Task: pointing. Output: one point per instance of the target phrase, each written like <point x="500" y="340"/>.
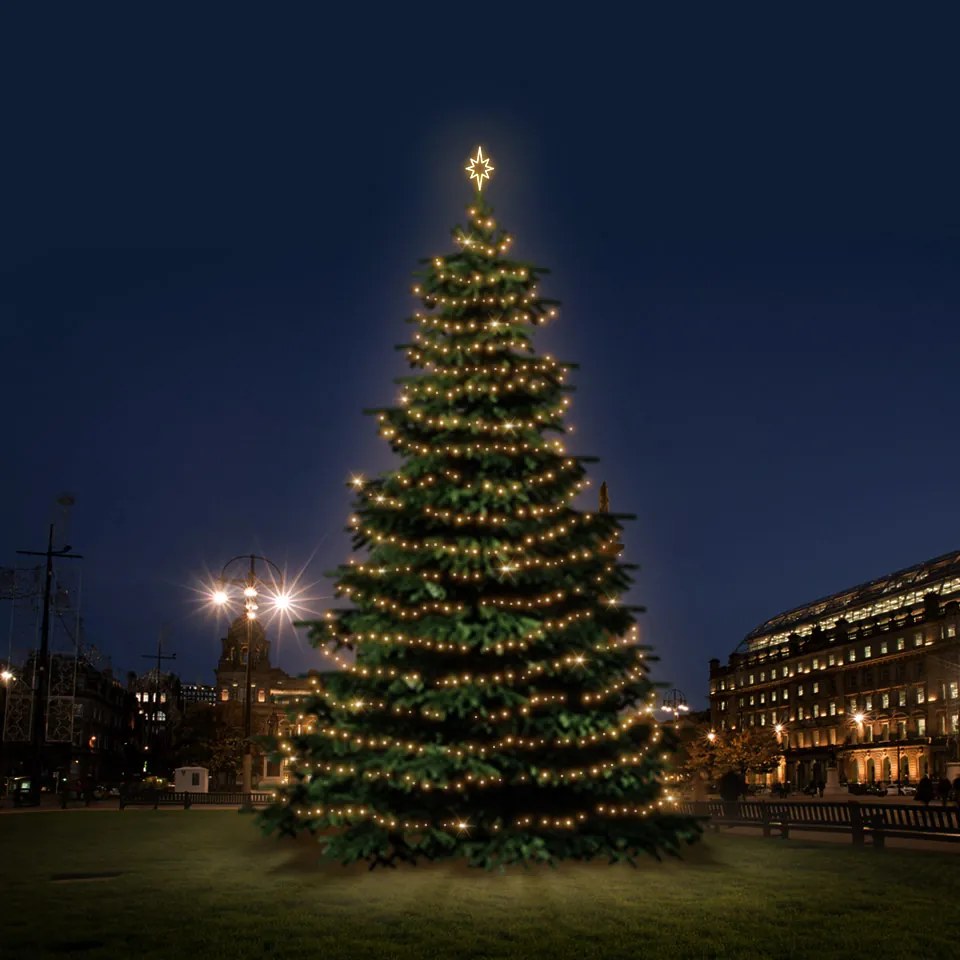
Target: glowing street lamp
<point x="252" y="589"/>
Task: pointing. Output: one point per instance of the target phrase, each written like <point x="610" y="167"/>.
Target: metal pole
<point x="246" y="804"/>
<point x="39" y="731"/>
<point x="40" y="694"/>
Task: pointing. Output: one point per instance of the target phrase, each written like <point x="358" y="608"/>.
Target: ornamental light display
<point x="492" y="701"/>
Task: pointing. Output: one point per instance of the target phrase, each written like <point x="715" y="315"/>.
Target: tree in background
<point x="493" y="702"/>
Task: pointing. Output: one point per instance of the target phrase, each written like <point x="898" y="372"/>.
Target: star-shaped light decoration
<point x="479" y="168"/>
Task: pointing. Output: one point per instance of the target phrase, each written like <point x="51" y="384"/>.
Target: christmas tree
<point x="492" y="700"/>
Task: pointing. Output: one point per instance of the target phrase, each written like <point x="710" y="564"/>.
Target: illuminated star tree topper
<point x="479" y="168"/>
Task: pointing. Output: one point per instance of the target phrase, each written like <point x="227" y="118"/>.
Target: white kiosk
<point x="191" y="780"/>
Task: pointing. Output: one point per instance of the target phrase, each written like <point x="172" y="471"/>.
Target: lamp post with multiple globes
<point x="252" y="591"/>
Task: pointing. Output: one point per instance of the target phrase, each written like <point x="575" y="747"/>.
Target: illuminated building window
<point x="786" y="694"/>
<point x="833" y="736"/>
<point x="832" y="660"/>
<point x="833" y="708"/>
<point x="799" y="713"/>
<point x="816" y="688"/>
<point x="261" y="696"/>
<point x="901" y="698"/>
<point x="224" y="694"/>
<point x="773" y="696"/>
<point x="799" y="689"/>
<point x="773" y="674"/>
<point x="951" y="631"/>
<point x="763" y="676"/>
<point x="816" y="710"/>
<point x="868" y="733"/>
<point x="883" y="647"/>
<point x="901" y="643"/>
<point x="955" y="723"/>
<point x="763" y="698"/>
<point x="763" y="719"/>
<point x="918" y="639"/>
<point x="852" y="705"/>
<point x="751" y="678"/>
<point x="921" y="726"/>
<point x="867" y="652"/>
<point x="954" y="692"/>
<point x="851" y="655"/>
<point x="751" y="699"/>
<point x="884" y="701"/>
<point x="921" y="695"/>
<point x="816" y="738"/>
<point x="163" y="698"/>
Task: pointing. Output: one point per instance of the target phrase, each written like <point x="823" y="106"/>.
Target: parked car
<point x="868" y="789"/>
<point x="906" y="790"/>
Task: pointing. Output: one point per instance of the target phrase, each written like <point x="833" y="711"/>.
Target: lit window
<point x="751" y="699"/>
<point x="833" y="708"/>
<point x="851" y="655"/>
<point x="763" y="698"/>
<point x="773" y="696"/>
<point x="867" y="652"/>
<point x="951" y="631"/>
<point x="799" y="713"/>
<point x="918" y="639"/>
<point x="884" y="701"/>
<point x="868" y="702"/>
<point x="763" y="719"/>
<point x="261" y="696"/>
<point x="224" y="694"/>
<point x="901" y="698"/>
<point x="163" y="698"/>
<point x="883" y="647"/>
<point x="901" y="643"/>
<point x="832" y="660"/>
<point x="955" y="723"/>
<point x="954" y="692"/>
<point x="816" y="709"/>
<point x="773" y="674"/>
<point x="921" y="726"/>
<point x="921" y="695"/>
<point x="816" y="688"/>
<point x="799" y="689"/>
<point x="786" y="694"/>
<point x="763" y="676"/>
<point x="816" y="664"/>
<point x="751" y="678"/>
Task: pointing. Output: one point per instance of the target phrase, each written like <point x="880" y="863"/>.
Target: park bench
<point x="860" y="820"/>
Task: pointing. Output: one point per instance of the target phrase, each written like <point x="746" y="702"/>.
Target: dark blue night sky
<point x="210" y="221"/>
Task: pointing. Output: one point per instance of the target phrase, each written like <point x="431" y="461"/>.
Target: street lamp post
<point x="252" y="588"/>
<point x="675" y="703"/>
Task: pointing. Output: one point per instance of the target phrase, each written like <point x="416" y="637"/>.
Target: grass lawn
<point x="204" y="884"/>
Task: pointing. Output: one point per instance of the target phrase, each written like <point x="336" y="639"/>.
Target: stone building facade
<point x="273" y="692"/>
<point x="867" y="679"/>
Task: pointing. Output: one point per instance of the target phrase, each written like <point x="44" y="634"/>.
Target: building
<point x="159" y="705"/>
<point x="867" y="678"/>
<point x="90" y="722"/>
<point x="274" y="693"/>
<point x="197" y="693"/>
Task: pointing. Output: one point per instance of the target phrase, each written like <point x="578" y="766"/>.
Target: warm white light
<point x="283" y="601"/>
<point x="220" y="597"/>
<point x="479" y="168"/>
<point x="249" y="591"/>
<point x="357" y="481"/>
<point x="778" y="729"/>
<point x="251" y="614"/>
<point x="711" y="736"/>
<point x="6" y="676"/>
<point x="858" y="718"/>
